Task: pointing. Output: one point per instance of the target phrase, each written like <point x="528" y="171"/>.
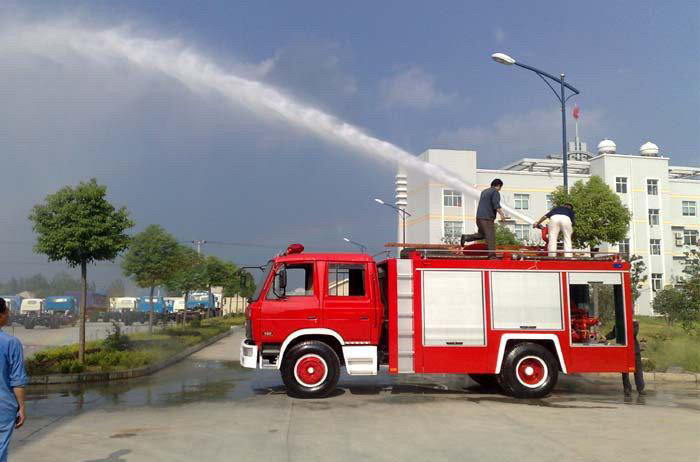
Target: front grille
<point x="249" y="329"/>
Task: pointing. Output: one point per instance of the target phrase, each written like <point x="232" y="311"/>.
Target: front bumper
<point x="249" y="354"/>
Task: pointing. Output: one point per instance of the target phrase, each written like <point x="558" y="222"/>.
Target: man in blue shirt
<point x="13" y="379"/>
<point x="489" y="206"/>
<point x="561" y="219"/>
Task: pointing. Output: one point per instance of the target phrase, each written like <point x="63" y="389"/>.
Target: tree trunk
<point x="83" y="311"/>
<point x="150" y="311"/>
<point x="184" y="313"/>
<point x="209" y="303"/>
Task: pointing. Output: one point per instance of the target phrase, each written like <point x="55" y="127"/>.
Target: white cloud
<point x="533" y="133"/>
<point x="413" y="88"/>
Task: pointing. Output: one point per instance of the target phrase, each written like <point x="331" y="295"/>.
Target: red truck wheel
<point x="529" y="371"/>
<point x="310" y="370"/>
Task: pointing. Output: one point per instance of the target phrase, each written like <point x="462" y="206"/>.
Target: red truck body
<point x="515" y="321"/>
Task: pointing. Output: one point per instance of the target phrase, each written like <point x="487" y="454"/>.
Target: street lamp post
<point x="401" y="211"/>
<point x="363" y="249"/>
<point x="503" y="58"/>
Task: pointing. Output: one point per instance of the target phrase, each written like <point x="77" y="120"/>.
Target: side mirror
<point x="283" y="278"/>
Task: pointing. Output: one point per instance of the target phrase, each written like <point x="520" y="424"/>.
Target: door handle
<point x="311" y="317"/>
<point x="364" y="318"/>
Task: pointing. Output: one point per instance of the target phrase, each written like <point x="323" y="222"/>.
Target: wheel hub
<point x="310" y="370"/>
<point x="532" y="372"/>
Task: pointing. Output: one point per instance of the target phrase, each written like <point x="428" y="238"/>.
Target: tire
<point x="488" y="381"/>
<point x="29" y="325"/>
<point x="310" y="370"/>
<point x="529" y="371"/>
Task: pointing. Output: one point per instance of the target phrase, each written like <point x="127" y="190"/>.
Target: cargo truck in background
<point x="52" y="312"/>
<point x="514" y="321"/>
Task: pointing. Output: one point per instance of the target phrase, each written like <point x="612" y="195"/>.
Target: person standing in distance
<point x="561" y="219"/>
<point x="489" y="205"/>
<point x="13" y="379"/>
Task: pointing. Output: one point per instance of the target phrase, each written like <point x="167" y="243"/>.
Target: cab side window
<point x="300" y="282"/>
<point x="346" y="280"/>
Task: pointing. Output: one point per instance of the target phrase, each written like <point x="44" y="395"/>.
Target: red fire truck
<point x="514" y="321"/>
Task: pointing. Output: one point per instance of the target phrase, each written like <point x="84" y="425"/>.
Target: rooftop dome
<point x="607" y="147"/>
<point x="649" y="149"/>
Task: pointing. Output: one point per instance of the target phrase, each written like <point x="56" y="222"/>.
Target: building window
<point x="522" y="232"/>
<point x="653" y="217"/>
<point x="656" y="281"/>
<point x="655" y="246"/>
<point x="653" y="187"/>
<point x="690" y="237"/>
<point x="621" y="184"/>
<point x="522" y="201"/>
<point x="453" y="229"/>
<point x="624" y="246"/>
<point x="451" y="198"/>
<point x="550" y="203"/>
<point x="689" y="209"/>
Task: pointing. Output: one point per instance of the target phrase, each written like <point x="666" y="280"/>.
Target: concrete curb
<point x="688" y="377"/>
<point x="129" y="373"/>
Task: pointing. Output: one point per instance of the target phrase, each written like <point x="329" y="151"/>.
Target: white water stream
<point x="196" y="71"/>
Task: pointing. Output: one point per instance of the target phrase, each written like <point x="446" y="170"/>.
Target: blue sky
<point x="417" y="74"/>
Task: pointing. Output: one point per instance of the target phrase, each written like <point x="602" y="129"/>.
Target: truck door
<point x="294" y="308"/>
<point x="348" y="306"/>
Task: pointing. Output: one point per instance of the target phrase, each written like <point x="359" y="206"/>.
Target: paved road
<point x="209" y="408"/>
<point x="40" y="337"/>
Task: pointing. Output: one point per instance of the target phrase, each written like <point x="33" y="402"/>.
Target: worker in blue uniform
<point x="13" y="379"/>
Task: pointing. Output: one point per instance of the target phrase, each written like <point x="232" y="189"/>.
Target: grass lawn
<point x="666" y="346"/>
<point x="120" y="352"/>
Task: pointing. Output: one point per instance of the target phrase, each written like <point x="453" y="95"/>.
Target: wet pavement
<point x="197" y="390"/>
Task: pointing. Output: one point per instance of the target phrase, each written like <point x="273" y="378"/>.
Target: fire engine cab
<point x="514" y="321"/>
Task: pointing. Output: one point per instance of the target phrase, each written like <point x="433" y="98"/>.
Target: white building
<point x="663" y="199"/>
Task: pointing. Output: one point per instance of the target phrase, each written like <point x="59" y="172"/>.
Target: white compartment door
<point x="526" y="300"/>
<point x="453" y="308"/>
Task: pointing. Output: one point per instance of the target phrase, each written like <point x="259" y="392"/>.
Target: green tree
<point x="189" y="276"/>
<point x="504" y="236"/>
<point x="638" y="275"/>
<point x="80" y="226"/>
<point x="217" y="273"/>
<point x="690" y="288"/>
<point x="671" y="303"/>
<point x="240" y="282"/>
<point x="600" y="215"/>
<point x="152" y="260"/>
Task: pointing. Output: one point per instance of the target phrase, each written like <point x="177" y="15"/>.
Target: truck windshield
<point x="260" y="283"/>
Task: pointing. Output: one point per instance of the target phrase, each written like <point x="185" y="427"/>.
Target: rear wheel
<point x="529" y="371"/>
<point x="310" y="370"/>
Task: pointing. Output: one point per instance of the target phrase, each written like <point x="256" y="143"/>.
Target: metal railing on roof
<point x="448" y="251"/>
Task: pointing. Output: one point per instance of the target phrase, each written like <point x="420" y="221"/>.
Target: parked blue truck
<point x="63" y="304"/>
<point x="54" y="312"/>
<point x="201" y="301"/>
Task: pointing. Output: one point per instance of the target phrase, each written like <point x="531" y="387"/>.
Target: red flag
<point x="576" y="112"/>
